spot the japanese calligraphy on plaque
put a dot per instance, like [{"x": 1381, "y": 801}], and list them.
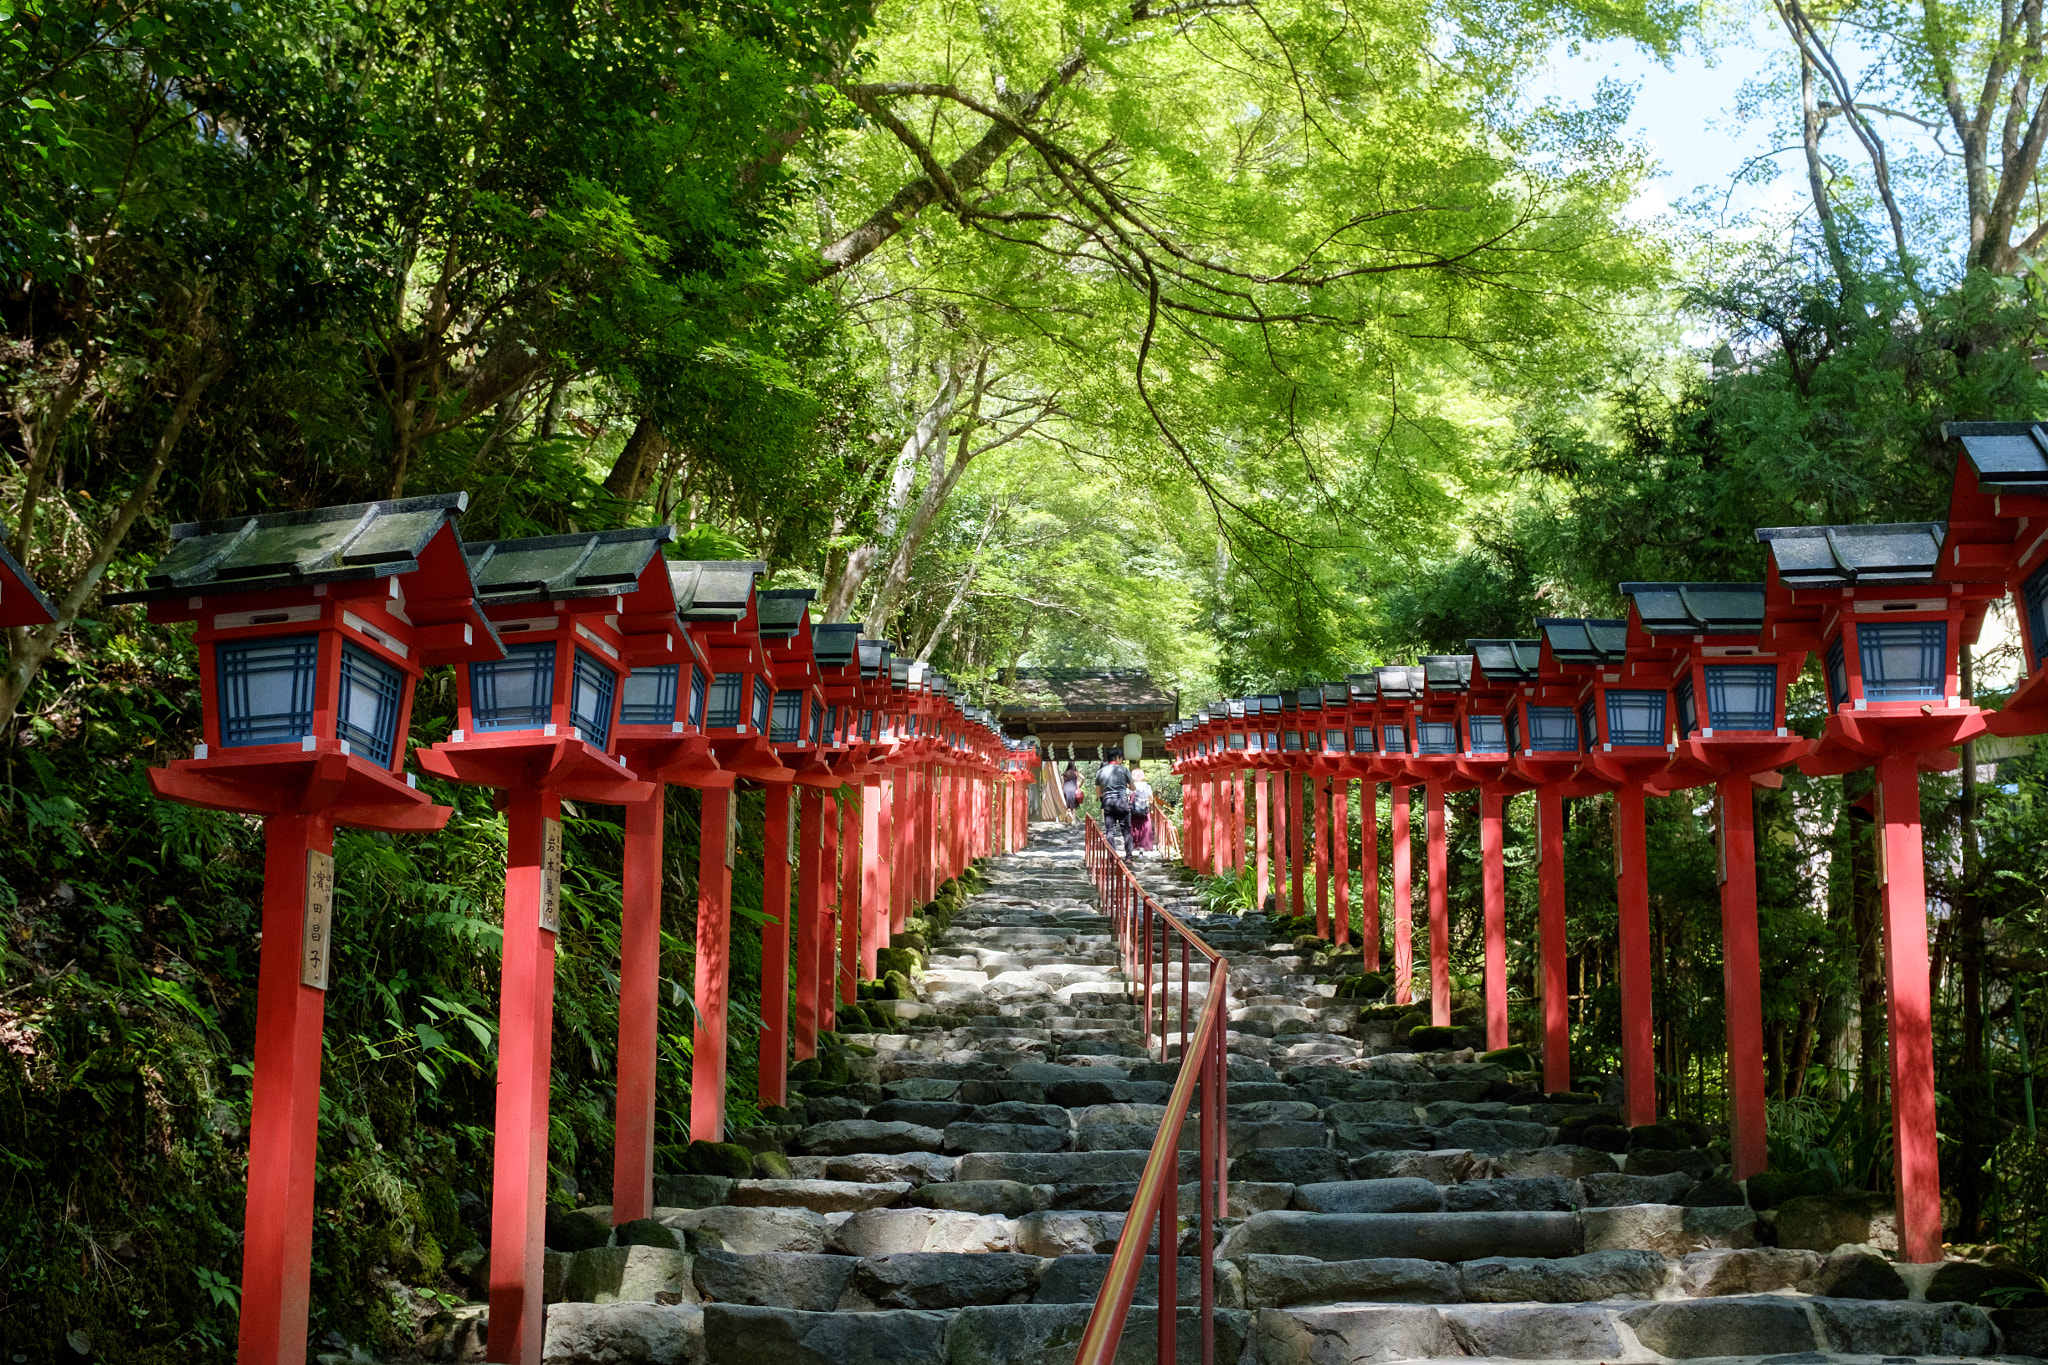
[
  {"x": 732, "y": 830},
  {"x": 317, "y": 932},
  {"x": 551, "y": 876}
]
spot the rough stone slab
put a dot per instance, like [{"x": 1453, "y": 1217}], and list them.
[
  {"x": 1290, "y": 1166},
  {"x": 1875, "y": 1326},
  {"x": 1285, "y": 1281},
  {"x": 1005, "y": 1197},
  {"x": 1279, "y": 1133},
  {"x": 848, "y": 1136},
  {"x": 1393, "y": 1195},
  {"x": 941, "y": 1280},
  {"x": 1493, "y": 1135},
  {"x": 1062, "y": 1168},
  {"x": 910, "y": 1168},
  {"x": 1612, "y": 1189},
  {"x": 1563, "y": 1279},
  {"x": 1668, "y": 1228},
  {"x": 819, "y": 1196},
  {"x": 777, "y": 1279},
  {"x": 1350, "y": 1335},
  {"x": 1571, "y": 1162},
  {"x": 1004, "y": 1137},
  {"x": 690, "y": 1191},
  {"x": 748, "y": 1231},
  {"x": 1690, "y": 1328},
  {"x": 623, "y": 1334},
  {"x": 629, "y": 1274},
  {"x": 1420, "y": 1236},
  {"x": 1753, "y": 1270},
  {"x": 1446, "y": 1167},
  {"x": 735, "y": 1334},
  {"x": 1534, "y": 1193},
  {"x": 1578, "y": 1331},
  {"x": 1078, "y": 1279},
  {"x": 889, "y": 1232},
  {"x": 1048, "y": 1333},
  {"x": 1374, "y": 1111},
  {"x": 1822, "y": 1222},
  {"x": 1069, "y": 1232}
]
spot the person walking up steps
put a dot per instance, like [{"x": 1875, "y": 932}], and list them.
[
  {"x": 1070, "y": 786},
  {"x": 1142, "y": 804},
  {"x": 1113, "y": 789}
]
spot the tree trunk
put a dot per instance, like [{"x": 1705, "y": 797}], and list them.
[
  {"x": 931, "y": 427},
  {"x": 633, "y": 472},
  {"x": 31, "y": 649}
]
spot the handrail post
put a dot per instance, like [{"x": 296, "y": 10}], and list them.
[
  {"x": 1169, "y": 1258},
  {"x": 1211, "y": 1134}
]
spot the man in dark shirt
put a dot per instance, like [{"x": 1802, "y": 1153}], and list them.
[{"x": 1113, "y": 789}]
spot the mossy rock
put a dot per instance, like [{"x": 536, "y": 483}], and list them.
[
  {"x": 1309, "y": 943},
  {"x": 728, "y": 1159},
  {"x": 862, "y": 1050},
  {"x": 1409, "y": 1022},
  {"x": 1608, "y": 1137},
  {"x": 1994, "y": 1286},
  {"x": 805, "y": 1071},
  {"x": 780, "y": 1115},
  {"x": 904, "y": 962},
  {"x": 1370, "y": 1013},
  {"x": 1769, "y": 1189},
  {"x": 896, "y": 986},
  {"x": 646, "y": 1232},
  {"x": 1433, "y": 1038},
  {"x": 1514, "y": 1058},
  {"x": 1287, "y": 1028},
  {"x": 1655, "y": 1137},
  {"x": 772, "y": 1166}
]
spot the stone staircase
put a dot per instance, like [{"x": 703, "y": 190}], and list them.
[{"x": 955, "y": 1198}]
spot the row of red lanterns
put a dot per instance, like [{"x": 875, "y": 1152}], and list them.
[
  {"x": 588, "y": 668},
  {"x": 1688, "y": 691}
]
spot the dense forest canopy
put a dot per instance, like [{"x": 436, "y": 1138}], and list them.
[{"x": 1246, "y": 341}]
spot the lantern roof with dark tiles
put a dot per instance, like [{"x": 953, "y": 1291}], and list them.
[
  {"x": 1269, "y": 703},
  {"x": 1363, "y": 686},
  {"x": 1848, "y": 556},
  {"x": 714, "y": 589},
  {"x": 22, "y": 603},
  {"x": 782, "y": 610},
  {"x": 1447, "y": 672},
  {"x": 566, "y": 567},
  {"x": 1336, "y": 694},
  {"x": 361, "y": 540},
  {"x": 1698, "y": 608},
  {"x": 2009, "y": 457},
  {"x": 1400, "y": 682},
  {"x": 874, "y": 658},
  {"x": 899, "y": 672},
  {"x": 836, "y": 643},
  {"x": 1584, "y": 639},
  {"x": 1504, "y": 661}
]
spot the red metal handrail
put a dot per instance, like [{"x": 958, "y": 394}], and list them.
[{"x": 1146, "y": 932}]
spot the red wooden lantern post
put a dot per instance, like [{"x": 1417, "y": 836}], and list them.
[
  {"x": 1262, "y": 755},
  {"x": 1625, "y": 721},
  {"x": 1545, "y": 750},
  {"x": 1889, "y": 633},
  {"x": 313, "y": 631},
  {"x": 1434, "y": 756},
  {"x": 836, "y": 648},
  {"x": 797, "y": 732},
  {"x": 1498, "y": 666},
  {"x": 539, "y": 725},
  {"x": 1722, "y": 646},
  {"x": 1290, "y": 772},
  {"x": 1311, "y": 776},
  {"x": 1336, "y": 824},
  {"x": 1400, "y": 687},
  {"x": 660, "y": 736},
  {"x": 1997, "y": 510},
  {"x": 1361, "y": 761}
]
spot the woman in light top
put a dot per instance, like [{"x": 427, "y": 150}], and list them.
[{"x": 1141, "y": 809}]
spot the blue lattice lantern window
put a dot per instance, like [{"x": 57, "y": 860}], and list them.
[
  {"x": 1742, "y": 697},
  {"x": 1436, "y": 737},
  {"x": 553, "y": 686},
  {"x": 1486, "y": 734},
  {"x": 1553, "y": 729},
  {"x": 1636, "y": 717}
]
